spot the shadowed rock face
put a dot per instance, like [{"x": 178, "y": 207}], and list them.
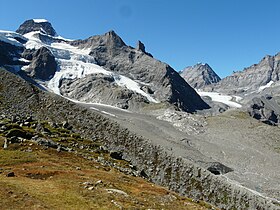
[
  {"x": 166, "y": 84},
  {"x": 43, "y": 65},
  {"x": 31, "y": 25},
  {"x": 6, "y": 50},
  {"x": 199, "y": 75}
]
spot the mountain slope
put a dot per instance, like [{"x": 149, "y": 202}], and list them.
[
  {"x": 100, "y": 69},
  {"x": 254, "y": 78},
  {"x": 38, "y": 174},
  {"x": 199, "y": 75},
  {"x": 154, "y": 160}
]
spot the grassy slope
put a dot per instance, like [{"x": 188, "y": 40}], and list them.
[{"x": 47, "y": 179}]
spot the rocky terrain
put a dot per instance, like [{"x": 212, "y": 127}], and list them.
[{"x": 42, "y": 157}]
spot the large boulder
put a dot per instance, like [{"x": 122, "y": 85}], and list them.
[{"x": 265, "y": 109}]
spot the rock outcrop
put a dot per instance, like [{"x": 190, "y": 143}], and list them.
[
  {"x": 266, "y": 109},
  {"x": 199, "y": 75},
  {"x": 43, "y": 65}
]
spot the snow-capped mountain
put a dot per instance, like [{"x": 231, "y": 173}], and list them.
[
  {"x": 199, "y": 75},
  {"x": 100, "y": 69}
]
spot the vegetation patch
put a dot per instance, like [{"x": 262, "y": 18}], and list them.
[{"x": 13, "y": 157}]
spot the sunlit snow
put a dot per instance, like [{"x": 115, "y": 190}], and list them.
[
  {"x": 218, "y": 97},
  {"x": 40, "y": 20},
  {"x": 74, "y": 63},
  {"x": 132, "y": 85},
  {"x": 265, "y": 86}
]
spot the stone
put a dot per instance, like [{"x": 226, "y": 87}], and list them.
[
  {"x": 5, "y": 144},
  {"x": 15, "y": 132},
  {"x": 116, "y": 155},
  {"x": 10, "y": 174}
]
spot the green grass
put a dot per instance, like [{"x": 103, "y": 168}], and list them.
[{"x": 13, "y": 157}]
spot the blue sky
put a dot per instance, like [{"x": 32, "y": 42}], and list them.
[{"x": 227, "y": 34}]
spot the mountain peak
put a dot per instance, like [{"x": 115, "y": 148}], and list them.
[
  {"x": 199, "y": 75},
  {"x": 113, "y": 38},
  {"x": 41, "y": 25}
]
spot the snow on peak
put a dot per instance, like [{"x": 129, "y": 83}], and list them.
[{"x": 40, "y": 20}]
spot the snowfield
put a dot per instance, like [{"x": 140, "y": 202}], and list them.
[{"x": 225, "y": 99}]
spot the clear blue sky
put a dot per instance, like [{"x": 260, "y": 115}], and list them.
[{"x": 227, "y": 34}]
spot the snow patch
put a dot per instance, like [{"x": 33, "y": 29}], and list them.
[
  {"x": 108, "y": 113},
  {"x": 40, "y": 20},
  {"x": 265, "y": 86},
  {"x": 132, "y": 85},
  {"x": 218, "y": 97},
  {"x": 9, "y": 37}
]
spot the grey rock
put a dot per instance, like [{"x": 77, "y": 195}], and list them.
[
  {"x": 112, "y": 53},
  {"x": 253, "y": 77},
  {"x": 9, "y": 54},
  {"x": 140, "y": 46},
  {"x": 43, "y": 65},
  {"x": 199, "y": 75},
  {"x": 265, "y": 109},
  {"x": 102, "y": 88},
  {"x": 10, "y": 174},
  {"x": 46, "y": 142}
]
